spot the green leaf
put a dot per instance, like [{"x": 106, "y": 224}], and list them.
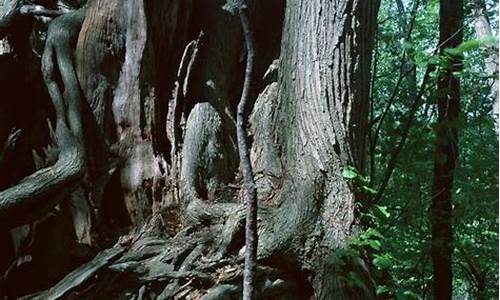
[
  {"x": 410, "y": 295},
  {"x": 381, "y": 211},
  {"x": 371, "y": 233},
  {"x": 369, "y": 190},
  {"x": 350, "y": 172},
  {"x": 374, "y": 244},
  {"x": 382, "y": 289},
  {"x": 383, "y": 261},
  {"x": 473, "y": 44}
]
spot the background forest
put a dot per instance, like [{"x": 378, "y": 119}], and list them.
[
  {"x": 120, "y": 175},
  {"x": 407, "y": 33}
]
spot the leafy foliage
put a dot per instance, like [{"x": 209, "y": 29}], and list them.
[{"x": 400, "y": 233}]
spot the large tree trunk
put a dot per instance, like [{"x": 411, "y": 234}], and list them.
[
  {"x": 320, "y": 127},
  {"x": 160, "y": 83},
  {"x": 126, "y": 59}
]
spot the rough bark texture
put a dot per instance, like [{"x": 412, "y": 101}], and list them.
[
  {"x": 32, "y": 199},
  {"x": 446, "y": 152},
  {"x": 320, "y": 128},
  {"x": 160, "y": 82},
  {"x": 25, "y": 201},
  {"x": 121, "y": 71}
]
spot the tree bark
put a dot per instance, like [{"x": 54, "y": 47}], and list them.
[
  {"x": 483, "y": 30},
  {"x": 25, "y": 201},
  {"x": 319, "y": 127},
  {"x": 446, "y": 149},
  {"x": 124, "y": 59},
  {"x": 178, "y": 153}
]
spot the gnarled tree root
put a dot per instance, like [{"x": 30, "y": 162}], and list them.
[
  {"x": 180, "y": 267},
  {"x": 22, "y": 203}
]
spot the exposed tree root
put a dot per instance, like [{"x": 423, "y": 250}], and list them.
[
  {"x": 23, "y": 202},
  {"x": 180, "y": 267}
]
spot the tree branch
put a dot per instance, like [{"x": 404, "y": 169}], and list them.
[
  {"x": 250, "y": 194},
  {"x": 406, "y": 129}
]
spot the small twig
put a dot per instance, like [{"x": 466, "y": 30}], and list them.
[{"x": 250, "y": 195}]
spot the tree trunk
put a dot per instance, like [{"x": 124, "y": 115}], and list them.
[
  {"x": 446, "y": 151},
  {"x": 124, "y": 57},
  {"x": 483, "y": 30},
  {"x": 320, "y": 127},
  {"x": 160, "y": 83}
]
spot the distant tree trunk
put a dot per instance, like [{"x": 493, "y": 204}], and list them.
[
  {"x": 476, "y": 277},
  {"x": 446, "y": 151},
  {"x": 483, "y": 30}
]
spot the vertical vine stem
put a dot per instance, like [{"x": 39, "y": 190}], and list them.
[{"x": 250, "y": 195}]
